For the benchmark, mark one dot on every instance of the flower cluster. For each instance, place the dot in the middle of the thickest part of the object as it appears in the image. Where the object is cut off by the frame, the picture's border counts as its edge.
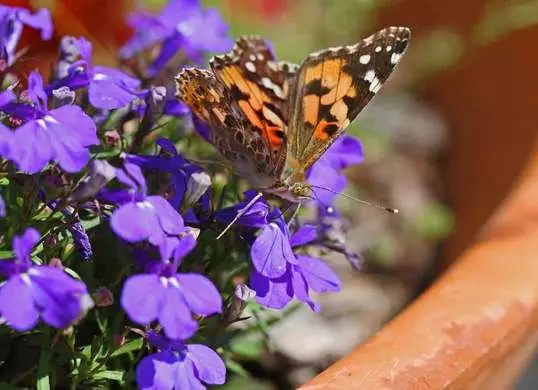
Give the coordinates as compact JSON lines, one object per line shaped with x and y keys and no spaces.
{"x":98,"y":202}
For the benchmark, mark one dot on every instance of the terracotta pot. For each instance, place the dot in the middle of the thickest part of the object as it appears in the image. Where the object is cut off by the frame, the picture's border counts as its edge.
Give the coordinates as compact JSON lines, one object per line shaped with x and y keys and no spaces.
{"x":477,"y":326}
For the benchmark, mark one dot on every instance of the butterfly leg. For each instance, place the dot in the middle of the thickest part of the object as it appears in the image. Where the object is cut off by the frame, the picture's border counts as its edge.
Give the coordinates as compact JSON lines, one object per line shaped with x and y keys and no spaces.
{"x":240,"y":214}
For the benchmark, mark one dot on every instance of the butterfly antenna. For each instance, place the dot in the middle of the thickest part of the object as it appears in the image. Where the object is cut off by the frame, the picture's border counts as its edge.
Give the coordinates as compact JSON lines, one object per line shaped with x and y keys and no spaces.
{"x":240,"y":214}
{"x":375,"y":205}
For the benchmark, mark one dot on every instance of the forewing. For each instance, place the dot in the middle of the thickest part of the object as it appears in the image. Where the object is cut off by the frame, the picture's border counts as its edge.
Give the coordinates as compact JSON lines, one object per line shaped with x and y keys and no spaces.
{"x":334,"y":85}
{"x":260,"y":86}
{"x":231,"y":132}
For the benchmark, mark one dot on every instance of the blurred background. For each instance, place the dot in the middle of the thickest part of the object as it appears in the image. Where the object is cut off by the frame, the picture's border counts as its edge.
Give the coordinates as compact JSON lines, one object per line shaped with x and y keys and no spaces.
{"x":444,"y":141}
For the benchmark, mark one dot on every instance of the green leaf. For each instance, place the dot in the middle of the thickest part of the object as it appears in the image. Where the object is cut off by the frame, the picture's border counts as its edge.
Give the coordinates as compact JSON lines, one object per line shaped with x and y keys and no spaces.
{"x":248,"y":347}
{"x":133,"y":345}
{"x":435,"y":223}
{"x":118,"y":376}
{"x":72,"y":273}
{"x":7,"y":386}
{"x":43,"y":369}
{"x":91,"y":223}
{"x":236,"y":368}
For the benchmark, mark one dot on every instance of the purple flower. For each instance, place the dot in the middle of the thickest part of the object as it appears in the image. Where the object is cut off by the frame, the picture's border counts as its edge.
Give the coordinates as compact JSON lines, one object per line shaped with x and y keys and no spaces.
{"x":255,"y":216}
{"x":170,"y":297}
{"x":141,"y":217}
{"x":108,"y":88}
{"x":62,"y":134}
{"x":12,"y":20}
{"x":33,"y":291}
{"x":179,"y":366}
{"x":279,"y":275}
{"x":6,"y":137}
{"x":171,"y":162}
{"x":327,"y":171}
{"x":182,"y":24}
{"x":2,"y":207}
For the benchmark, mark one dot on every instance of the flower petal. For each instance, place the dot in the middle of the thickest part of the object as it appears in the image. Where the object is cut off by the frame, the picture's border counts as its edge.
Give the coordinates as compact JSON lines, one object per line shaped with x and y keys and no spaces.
{"x":274,"y":293}
{"x":169,"y":219}
{"x":175,"y":316}
{"x":300,"y":288}
{"x":186,"y":376}
{"x":32,"y":156}
{"x":304,"y":235}
{"x":208,"y":363}
{"x":24,"y":244}
{"x":135,"y":221}
{"x":270,"y":251}
{"x":20,"y":313}
{"x":200,"y":294}
{"x":60,"y":298}
{"x":157,"y":371}
{"x":142,"y":297}
{"x":111,"y":88}
{"x":319,"y":276}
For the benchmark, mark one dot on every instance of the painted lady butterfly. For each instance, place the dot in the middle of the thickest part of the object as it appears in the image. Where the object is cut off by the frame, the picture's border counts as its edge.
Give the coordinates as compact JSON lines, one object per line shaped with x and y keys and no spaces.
{"x":271,"y":119}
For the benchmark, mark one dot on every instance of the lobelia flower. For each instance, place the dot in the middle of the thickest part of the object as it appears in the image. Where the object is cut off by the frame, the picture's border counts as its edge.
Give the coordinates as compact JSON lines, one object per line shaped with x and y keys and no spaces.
{"x":12,"y":20}
{"x":181,"y":25}
{"x":34,"y":291}
{"x":327,"y":171}
{"x":139,"y":216}
{"x":179,"y":366}
{"x":279,"y":275}
{"x":6,"y":137}
{"x":62,"y":134}
{"x":108,"y":88}
{"x":171,"y":162}
{"x":170,"y":297}
{"x":254,"y":216}
{"x":2,"y":207}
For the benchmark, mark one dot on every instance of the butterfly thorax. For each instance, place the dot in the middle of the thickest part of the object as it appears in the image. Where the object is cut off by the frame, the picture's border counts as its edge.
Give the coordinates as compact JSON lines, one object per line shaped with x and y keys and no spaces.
{"x":292,"y":185}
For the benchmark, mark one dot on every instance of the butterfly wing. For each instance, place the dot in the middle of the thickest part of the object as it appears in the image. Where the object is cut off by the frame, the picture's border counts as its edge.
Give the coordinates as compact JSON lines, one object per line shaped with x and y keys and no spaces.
{"x":333,"y":86}
{"x":231,"y":132}
{"x":260,"y":86}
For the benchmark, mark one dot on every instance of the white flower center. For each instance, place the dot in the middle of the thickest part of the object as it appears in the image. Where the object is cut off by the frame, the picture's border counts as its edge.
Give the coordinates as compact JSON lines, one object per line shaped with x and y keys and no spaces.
{"x":100,"y":76}
{"x":144,"y":205}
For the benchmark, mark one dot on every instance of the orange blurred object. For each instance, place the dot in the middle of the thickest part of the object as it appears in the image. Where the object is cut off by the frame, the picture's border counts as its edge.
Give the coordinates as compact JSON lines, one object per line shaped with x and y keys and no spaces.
{"x":100,"y":21}
{"x":267,"y":10}
{"x":477,"y":326}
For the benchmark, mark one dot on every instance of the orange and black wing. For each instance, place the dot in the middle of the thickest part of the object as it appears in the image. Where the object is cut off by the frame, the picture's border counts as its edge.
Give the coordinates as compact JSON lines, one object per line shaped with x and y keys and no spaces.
{"x":334,"y":85}
{"x":231,"y":131}
{"x":260,"y":86}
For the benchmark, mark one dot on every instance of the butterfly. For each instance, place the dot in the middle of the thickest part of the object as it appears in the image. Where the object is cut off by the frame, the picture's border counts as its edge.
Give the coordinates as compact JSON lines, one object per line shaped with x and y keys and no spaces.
{"x":272,"y":119}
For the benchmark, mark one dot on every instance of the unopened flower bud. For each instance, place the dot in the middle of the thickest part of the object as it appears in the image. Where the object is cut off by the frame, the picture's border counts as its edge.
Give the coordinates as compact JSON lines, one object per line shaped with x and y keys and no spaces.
{"x":100,"y":173}
{"x":103,"y":297}
{"x":238,"y":302}
{"x":112,"y":137}
{"x":197,"y":185}
{"x":63,"y":96}
{"x":56,"y":263}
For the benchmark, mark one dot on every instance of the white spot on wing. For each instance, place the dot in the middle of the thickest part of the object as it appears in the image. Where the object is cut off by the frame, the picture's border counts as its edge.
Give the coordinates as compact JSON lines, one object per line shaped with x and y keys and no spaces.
{"x":267,"y":83}
{"x":250,"y":67}
{"x":252,"y":57}
{"x":370,"y":75}
{"x":395,"y":57}
{"x":377,"y":49}
{"x":388,"y":48}
{"x":375,"y":84}
{"x":364,"y":59}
